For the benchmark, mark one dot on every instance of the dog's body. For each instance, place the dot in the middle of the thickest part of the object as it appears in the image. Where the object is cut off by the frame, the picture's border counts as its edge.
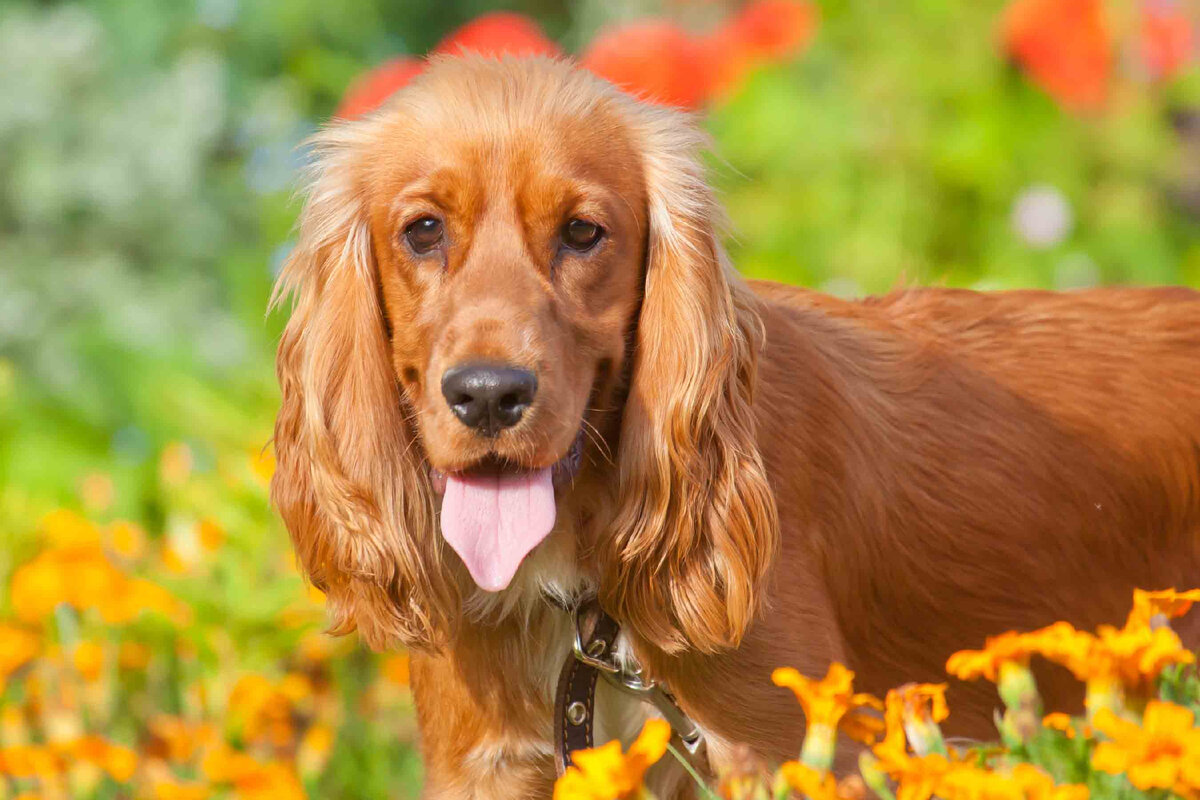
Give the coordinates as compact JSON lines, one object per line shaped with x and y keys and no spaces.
{"x":773,"y":477}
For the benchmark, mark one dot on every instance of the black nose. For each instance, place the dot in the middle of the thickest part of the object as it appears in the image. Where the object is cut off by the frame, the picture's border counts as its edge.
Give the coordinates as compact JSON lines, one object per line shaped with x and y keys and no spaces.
{"x":487,"y":397}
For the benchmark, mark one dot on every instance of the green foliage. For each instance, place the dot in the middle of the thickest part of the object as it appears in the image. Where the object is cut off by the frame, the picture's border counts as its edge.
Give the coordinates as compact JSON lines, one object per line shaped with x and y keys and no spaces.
{"x":148,"y":154}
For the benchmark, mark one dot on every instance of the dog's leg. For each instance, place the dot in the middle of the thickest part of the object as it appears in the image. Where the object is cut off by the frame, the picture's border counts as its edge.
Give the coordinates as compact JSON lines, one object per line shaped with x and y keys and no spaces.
{"x":484,"y":735}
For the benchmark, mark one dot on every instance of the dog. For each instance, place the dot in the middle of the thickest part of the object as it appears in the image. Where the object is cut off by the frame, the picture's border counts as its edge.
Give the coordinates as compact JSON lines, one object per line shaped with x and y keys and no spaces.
{"x":520,"y":370}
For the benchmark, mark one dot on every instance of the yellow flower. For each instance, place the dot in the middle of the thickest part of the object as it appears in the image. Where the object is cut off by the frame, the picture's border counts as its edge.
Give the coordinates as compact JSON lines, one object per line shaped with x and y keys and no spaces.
{"x":17,"y":648}
{"x":67,"y":529}
{"x":169,"y":790}
{"x":1024,"y":782}
{"x":262,"y":464}
{"x":812,"y":783}
{"x":1162,"y":753}
{"x":133,"y":656}
{"x":828,"y":703}
{"x":1059,"y":721}
{"x":314,"y":749}
{"x":118,"y":761}
{"x":274,"y":781}
{"x":1167,"y":603}
{"x":605,"y":773}
{"x":916,"y":776}
{"x":1010,"y":647}
{"x":127,"y":539}
{"x":396,"y":669}
{"x":88,"y":659}
{"x":211,"y":534}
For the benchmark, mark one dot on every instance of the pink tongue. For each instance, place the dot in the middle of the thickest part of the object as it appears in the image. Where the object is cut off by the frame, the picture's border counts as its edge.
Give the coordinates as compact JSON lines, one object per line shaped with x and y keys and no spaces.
{"x":493,"y":521}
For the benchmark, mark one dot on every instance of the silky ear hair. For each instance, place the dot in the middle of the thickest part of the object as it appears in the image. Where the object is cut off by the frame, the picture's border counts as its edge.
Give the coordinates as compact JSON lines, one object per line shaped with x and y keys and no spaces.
{"x":350,"y":488}
{"x":697,"y":528}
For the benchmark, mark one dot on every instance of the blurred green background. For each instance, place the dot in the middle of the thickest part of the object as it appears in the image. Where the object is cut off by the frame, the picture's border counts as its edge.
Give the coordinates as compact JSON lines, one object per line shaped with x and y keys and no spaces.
{"x":148,"y":157}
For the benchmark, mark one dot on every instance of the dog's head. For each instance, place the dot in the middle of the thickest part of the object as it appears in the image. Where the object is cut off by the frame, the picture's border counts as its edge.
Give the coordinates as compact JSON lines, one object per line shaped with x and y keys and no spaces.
{"x":509,"y":272}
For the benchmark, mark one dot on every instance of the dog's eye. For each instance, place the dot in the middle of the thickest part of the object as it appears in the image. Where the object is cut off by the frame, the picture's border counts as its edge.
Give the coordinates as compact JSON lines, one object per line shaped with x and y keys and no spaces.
{"x":424,"y":234}
{"x":581,"y":235}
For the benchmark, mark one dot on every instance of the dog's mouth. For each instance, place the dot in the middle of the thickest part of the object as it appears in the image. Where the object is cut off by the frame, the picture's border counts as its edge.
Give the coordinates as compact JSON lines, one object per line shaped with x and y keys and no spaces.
{"x":496,"y":511}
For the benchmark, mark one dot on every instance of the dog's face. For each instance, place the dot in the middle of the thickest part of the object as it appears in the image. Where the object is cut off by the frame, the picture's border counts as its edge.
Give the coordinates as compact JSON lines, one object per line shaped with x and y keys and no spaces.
{"x":510,"y":253}
{"x":509,"y":249}
{"x":485,"y":268}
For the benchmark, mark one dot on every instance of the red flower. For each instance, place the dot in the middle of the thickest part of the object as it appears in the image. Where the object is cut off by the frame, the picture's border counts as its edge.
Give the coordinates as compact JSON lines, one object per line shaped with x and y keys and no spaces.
{"x":655,"y":60}
{"x":1064,"y":45}
{"x":371,"y":90}
{"x":763,"y":31}
{"x":499,"y":33}
{"x":1168,"y":37}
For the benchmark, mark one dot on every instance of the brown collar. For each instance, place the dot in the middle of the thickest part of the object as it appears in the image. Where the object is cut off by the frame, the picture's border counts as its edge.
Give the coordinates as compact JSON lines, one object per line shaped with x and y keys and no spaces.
{"x":575,"y":699}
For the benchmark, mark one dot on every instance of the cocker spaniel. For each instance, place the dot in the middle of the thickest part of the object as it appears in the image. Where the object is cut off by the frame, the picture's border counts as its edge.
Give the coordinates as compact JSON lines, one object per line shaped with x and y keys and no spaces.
{"x":521,"y":371}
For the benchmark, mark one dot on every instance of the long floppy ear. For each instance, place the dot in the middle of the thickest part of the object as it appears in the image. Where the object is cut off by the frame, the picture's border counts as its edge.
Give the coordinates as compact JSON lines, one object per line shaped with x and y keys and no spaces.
{"x":348,"y":484}
{"x":696,"y":529}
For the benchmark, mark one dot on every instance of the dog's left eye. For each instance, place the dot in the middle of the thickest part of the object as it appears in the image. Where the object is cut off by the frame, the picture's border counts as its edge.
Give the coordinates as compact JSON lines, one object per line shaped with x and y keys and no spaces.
{"x":581,"y":235}
{"x":424,"y":234}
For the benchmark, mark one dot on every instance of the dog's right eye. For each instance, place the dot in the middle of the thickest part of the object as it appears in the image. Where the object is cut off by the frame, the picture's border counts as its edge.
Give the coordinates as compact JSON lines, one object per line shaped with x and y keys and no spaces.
{"x":424,"y":234}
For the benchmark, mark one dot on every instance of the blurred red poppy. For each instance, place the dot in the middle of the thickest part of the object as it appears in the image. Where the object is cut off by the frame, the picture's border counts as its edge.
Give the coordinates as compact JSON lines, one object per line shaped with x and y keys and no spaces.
{"x":655,"y":60}
{"x":764,"y":30}
{"x":1168,"y":37}
{"x":499,"y":33}
{"x":1065,"y":46}
{"x":370,"y":91}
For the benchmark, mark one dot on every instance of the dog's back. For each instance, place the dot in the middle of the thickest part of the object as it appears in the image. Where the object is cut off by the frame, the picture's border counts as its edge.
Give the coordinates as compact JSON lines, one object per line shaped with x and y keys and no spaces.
{"x":983,"y":462}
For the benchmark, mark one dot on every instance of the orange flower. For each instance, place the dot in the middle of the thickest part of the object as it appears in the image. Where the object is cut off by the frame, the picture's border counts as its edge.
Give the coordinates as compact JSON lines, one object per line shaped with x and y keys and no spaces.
{"x":655,"y":60}
{"x":1063,"y":722}
{"x":17,"y":648}
{"x":1167,"y":37}
{"x":1162,"y":753}
{"x":127,"y":539}
{"x":396,"y":669}
{"x":499,"y":33}
{"x":1167,"y":604}
{"x":605,"y":773}
{"x":1064,"y":45}
{"x":88,"y":659}
{"x":1010,"y":647}
{"x":210,"y":534}
{"x":828,"y":700}
{"x":917,"y":776}
{"x":808,"y":782}
{"x":762,"y":31}
{"x":828,"y":703}
{"x":365,"y":95}
{"x":1024,"y":782}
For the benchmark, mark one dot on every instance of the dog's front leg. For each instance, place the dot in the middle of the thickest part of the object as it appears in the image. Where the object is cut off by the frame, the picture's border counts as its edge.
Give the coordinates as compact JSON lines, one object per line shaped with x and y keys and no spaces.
{"x":484,"y":733}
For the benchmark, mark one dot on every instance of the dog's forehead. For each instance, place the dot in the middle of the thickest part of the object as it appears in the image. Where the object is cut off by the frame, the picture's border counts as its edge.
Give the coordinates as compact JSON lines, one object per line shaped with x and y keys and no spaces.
{"x":525,"y":121}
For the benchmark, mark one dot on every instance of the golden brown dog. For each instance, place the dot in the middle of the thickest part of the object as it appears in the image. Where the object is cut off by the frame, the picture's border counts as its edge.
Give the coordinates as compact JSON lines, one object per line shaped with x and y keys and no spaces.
{"x":519,"y":369}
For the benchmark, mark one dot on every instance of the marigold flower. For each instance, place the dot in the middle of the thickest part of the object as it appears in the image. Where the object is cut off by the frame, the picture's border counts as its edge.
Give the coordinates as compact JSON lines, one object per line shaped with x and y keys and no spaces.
{"x":210,"y":534}
{"x":829,"y":703}
{"x":1065,"y":723}
{"x":17,"y":648}
{"x":127,"y":539}
{"x":1010,"y":647}
{"x":812,"y":783}
{"x":916,"y":776}
{"x":1162,"y":753}
{"x":605,"y":773}
{"x":169,"y":790}
{"x":1024,"y":782}
{"x":924,"y":707}
{"x":88,"y":659}
{"x":1167,"y":603}
{"x":396,"y":669}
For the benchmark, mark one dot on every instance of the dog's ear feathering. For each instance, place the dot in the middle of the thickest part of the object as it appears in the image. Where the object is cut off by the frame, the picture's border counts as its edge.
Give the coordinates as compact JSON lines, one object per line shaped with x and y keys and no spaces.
{"x":696,"y":528}
{"x":348,"y":483}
